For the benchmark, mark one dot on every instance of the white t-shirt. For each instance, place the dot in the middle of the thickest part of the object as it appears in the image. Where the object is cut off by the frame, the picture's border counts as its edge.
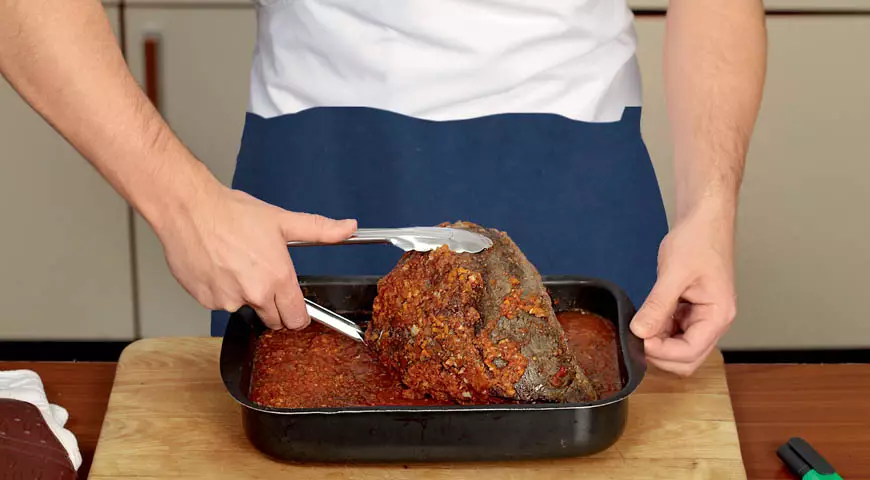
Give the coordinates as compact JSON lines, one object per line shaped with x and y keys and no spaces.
{"x":447,"y":59}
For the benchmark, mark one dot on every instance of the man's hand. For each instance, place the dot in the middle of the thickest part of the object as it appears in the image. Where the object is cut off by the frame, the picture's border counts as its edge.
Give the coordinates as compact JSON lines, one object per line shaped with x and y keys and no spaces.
{"x":714,"y":65}
{"x":229,"y":249}
{"x":693,"y":302}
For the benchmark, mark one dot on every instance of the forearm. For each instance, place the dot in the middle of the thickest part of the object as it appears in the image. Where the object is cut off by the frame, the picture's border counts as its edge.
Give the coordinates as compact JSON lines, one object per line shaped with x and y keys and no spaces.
{"x":64,"y":60}
{"x":714,"y":64}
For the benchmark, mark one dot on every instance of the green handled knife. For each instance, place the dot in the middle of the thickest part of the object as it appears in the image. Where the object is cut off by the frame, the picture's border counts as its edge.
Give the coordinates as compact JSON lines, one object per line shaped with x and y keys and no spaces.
{"x":805,"y":462}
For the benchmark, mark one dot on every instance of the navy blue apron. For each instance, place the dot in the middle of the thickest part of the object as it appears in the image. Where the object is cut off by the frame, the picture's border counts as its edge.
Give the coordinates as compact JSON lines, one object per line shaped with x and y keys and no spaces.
{"x":577,"y":197}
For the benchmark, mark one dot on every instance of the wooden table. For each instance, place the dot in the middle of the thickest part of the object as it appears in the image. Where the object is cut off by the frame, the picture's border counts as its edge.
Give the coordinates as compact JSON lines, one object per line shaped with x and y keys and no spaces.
{"x":828,"y":405}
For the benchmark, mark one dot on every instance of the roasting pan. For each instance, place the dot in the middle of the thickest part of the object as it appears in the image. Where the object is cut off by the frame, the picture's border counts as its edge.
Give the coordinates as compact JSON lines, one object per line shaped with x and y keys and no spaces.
{"x":434,"y":434}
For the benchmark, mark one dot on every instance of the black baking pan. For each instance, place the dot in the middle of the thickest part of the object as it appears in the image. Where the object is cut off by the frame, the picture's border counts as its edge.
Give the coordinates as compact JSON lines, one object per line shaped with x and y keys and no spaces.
{"x":433,"y":434}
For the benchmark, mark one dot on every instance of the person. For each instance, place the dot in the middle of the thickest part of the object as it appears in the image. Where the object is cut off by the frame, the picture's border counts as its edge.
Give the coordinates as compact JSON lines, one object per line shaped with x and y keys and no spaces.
{"x":522,"y":116}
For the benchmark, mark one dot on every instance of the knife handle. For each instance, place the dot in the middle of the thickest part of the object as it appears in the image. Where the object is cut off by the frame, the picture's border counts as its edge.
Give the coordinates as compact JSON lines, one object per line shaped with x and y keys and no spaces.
{"x":804,"y":462}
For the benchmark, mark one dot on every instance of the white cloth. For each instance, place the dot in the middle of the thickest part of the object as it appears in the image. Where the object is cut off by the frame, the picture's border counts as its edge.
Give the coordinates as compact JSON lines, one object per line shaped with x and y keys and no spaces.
{"x":25,"y":385}
{"x":447,"y":59}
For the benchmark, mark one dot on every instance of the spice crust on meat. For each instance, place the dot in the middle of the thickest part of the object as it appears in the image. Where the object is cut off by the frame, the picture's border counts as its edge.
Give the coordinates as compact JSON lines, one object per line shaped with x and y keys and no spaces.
{"x":466,"y":327}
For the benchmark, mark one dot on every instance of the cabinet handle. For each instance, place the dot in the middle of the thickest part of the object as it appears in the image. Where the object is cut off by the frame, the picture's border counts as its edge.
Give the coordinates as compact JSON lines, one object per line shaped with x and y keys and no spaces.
{"x":151,"y":48}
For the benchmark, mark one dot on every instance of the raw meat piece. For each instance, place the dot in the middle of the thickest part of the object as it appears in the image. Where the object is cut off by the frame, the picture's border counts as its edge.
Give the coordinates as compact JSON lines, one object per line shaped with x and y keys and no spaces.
{"x":28,"y":447}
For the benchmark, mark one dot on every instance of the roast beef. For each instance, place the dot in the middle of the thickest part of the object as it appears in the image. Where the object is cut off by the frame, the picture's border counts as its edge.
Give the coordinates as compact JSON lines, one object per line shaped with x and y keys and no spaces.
{"x":467,"y":327}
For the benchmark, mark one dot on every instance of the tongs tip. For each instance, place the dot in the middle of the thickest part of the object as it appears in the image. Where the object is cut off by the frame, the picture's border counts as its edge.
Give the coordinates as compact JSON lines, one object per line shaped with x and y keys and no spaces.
{"x":334,"y":321}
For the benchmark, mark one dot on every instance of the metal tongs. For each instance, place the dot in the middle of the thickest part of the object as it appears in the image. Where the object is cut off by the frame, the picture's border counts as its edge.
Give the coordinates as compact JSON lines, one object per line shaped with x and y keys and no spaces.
{"x":420,"y":239}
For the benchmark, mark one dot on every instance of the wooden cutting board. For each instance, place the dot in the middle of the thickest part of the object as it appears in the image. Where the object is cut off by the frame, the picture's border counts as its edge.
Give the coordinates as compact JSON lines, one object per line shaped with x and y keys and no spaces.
{"x":170,"y":417}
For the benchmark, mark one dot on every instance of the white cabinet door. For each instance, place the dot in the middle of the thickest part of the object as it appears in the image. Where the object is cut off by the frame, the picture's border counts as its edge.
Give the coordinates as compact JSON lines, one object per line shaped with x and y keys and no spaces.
{"x":64,"y":248}
{"x":203,"y":58}
{"x":803,"y":228}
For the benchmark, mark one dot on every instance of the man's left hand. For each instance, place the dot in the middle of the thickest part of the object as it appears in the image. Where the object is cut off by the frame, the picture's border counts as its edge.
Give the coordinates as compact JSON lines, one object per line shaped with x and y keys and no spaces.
{"x":693,"y":302}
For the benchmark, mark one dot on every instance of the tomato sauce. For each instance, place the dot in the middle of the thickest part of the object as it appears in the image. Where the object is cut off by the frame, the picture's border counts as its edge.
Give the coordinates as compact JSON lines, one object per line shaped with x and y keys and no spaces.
{"x":593,"y":341}
{"x":319,"y":368}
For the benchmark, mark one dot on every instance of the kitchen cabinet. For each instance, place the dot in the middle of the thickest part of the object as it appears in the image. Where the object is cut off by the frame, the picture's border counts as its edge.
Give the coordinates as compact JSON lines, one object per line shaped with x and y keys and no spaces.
{"x":66,"y":249}
{"x":202,"y":59}
{"x":802,"y":249}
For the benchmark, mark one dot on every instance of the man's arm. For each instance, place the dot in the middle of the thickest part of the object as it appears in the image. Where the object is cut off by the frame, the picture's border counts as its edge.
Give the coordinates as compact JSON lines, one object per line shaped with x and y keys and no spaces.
{"x":714,"y":64}
{"x":715,"y":60}
{"x":64,"y":60}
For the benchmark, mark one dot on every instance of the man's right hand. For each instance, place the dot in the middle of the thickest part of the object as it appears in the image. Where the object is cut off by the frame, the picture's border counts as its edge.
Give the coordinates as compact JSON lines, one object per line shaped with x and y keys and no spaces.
{"x":229,"y":249}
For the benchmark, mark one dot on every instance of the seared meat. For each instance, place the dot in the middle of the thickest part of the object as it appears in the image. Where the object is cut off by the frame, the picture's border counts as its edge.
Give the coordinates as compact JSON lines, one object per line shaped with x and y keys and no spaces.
{"x":466,"y":327}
